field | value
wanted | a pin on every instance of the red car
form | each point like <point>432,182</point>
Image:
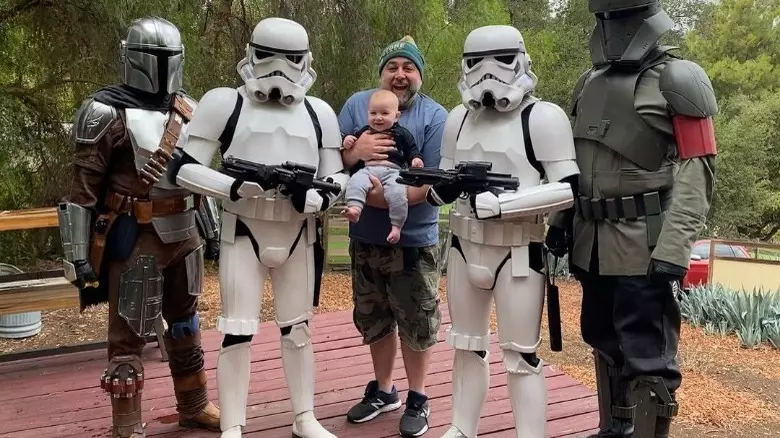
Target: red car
<point>699,268</point>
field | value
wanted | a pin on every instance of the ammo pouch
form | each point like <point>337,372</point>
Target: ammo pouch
<point>648,206</point>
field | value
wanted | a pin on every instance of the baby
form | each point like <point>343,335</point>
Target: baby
<point>383,117</point>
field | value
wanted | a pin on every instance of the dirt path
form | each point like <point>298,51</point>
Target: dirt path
<point>727,391</point>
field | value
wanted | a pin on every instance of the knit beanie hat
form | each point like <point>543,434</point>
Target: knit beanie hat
<point>404,47</point>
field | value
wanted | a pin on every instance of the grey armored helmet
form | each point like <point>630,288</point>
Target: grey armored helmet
<point>152,56</point>
<point>626,30</point>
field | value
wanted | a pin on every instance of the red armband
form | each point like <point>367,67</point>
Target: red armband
<point>695,136</point>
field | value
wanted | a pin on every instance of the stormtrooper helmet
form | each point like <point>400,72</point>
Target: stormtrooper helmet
<point>496,70</point>
<point>277,65</point>
<point>152,56</point>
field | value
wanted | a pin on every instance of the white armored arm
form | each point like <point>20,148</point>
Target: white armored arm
<point>331,166</point>
<point>553,146</point>
<point>196,149</point>
<point>449,140</point>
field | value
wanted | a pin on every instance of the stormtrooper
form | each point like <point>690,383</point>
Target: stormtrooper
<point>496,250</point>
<point>269,120</point>
<point>130,237</point>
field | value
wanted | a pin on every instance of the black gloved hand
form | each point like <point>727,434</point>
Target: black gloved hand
<point>211,251</point>
<point>84,274</point>
<point>298,199</point>
<point>661,272</point>
<point>443,193</point>
<point>558,241</point>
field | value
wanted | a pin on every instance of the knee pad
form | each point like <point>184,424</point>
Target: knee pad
<point>185,328</point>
<point>297,335</point>
<point>235,339</point>
<point>521,363</point>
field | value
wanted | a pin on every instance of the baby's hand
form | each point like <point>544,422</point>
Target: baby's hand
<point>349,141</point>
<point>417,162</point>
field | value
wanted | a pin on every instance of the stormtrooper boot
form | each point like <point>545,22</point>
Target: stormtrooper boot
<point>233,387</point>
<point>470,380</point>
<point>298,363</point>
<point>528,395</point>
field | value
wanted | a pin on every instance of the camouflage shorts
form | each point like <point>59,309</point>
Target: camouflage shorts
<point>396,287</point>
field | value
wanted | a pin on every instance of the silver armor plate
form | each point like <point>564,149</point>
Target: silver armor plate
<point>194,264</point>
<point>92,121</point>
<point>140,295</point>
<point>74,221</point>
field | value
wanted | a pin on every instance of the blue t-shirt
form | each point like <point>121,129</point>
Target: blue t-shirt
<point>425,120</point>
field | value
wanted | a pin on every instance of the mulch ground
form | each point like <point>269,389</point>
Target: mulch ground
<point>727,391</point>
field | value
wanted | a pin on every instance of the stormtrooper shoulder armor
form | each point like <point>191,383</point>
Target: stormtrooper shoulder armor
<point>92,121</point>
<point>329,122</point>
<point>687,89</point>
<point>551,133</point>
<point>452,127</point>
<point>213,112</point>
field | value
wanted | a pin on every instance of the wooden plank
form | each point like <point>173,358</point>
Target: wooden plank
<point>60,396</point>
<point>13,220</point>
<point>34,295</point>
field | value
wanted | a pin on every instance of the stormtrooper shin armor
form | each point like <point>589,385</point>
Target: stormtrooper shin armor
<point>266,121</point>
<point>495,251</point>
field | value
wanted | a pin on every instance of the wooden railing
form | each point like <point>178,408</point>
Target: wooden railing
<point>40,290</point>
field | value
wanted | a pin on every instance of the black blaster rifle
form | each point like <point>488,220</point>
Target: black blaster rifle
<point>474,177</point>
<point>287,176</point>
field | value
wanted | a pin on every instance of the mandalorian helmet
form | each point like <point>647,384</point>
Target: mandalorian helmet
<point>152,56</point>
<point>277,65</point>
<point>496,70</point>
<point>626,30</point>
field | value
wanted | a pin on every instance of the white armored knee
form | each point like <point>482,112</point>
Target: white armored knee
<point>527,392</point>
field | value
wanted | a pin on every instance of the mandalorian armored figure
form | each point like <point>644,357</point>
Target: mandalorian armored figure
<point>132,238</point>
<point>267,228</point>
<point>646,147</point>
<point>496,247</point>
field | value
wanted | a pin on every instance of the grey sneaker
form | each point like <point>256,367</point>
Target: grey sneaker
<point>414,421</point>
<point>374,403</point>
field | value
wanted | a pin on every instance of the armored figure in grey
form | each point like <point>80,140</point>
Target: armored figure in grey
<point>132,237</point>
<point>646,148</point>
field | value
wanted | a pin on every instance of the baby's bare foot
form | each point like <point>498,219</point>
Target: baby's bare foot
<point>352,213</point>
<point>395,234</point>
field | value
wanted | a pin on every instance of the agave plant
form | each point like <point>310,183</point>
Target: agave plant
<point>753,316</point>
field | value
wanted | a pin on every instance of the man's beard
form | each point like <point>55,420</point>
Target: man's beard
<point>405,100</point>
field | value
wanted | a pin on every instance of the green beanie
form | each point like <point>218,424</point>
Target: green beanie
<point>404,47</point>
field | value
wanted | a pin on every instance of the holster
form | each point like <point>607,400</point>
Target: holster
<point>319,259</point>
<point>98,240</point>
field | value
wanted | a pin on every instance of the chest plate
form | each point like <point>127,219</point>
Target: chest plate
<point>498,138</point>
<point>146,130</point>
<point>606,114</point>
<point>273,134</point>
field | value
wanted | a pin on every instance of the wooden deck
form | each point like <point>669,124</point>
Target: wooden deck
<point>58,396</point>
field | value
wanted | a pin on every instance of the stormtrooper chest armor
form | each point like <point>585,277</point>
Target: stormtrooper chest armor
<point>272,134</point>
<point>146,130</point>
<point>498,138</point>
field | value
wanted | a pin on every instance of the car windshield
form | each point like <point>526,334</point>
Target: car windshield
<point>703,250</point>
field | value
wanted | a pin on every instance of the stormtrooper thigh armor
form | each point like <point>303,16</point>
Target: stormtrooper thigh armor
<point>478,273</point>
<point>252,249</point>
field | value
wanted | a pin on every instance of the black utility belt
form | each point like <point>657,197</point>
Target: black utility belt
<point>626,207</point>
